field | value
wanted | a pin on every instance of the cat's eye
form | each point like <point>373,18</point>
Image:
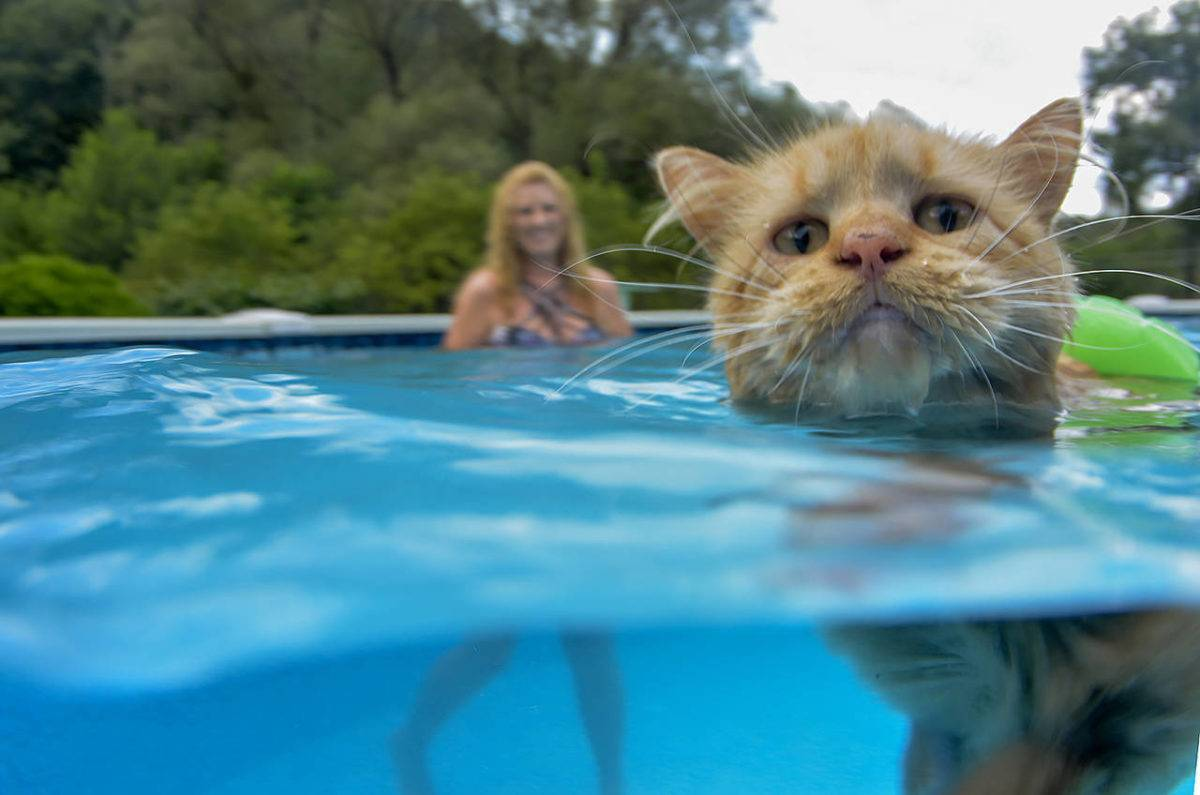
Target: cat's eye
<point>801,237</point>
<point>942,214</point>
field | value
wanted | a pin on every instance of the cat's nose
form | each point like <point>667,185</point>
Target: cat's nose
<point>871,251</point>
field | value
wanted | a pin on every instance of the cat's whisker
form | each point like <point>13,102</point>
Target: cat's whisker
<point>713,362</point>
<point>787,373</point>
<point>1121,231</point>
<point>1052,338</point>
<point>983,209</point>
<point>665,337</point>
<point>995,346</point>
<point>726,108</point>
<point>1187,215</point>
<point>1025,214</point>
<point>978,367</point>
<point>800,394</point>
<point>652,249</point>
<point>731,332</point>
<point>649,344</point>
<point>1026,367</point>
<point>1009,293</point>
<point>982,325</point>
<point>1099,310</point>
<point>1120,186</point>
<point>761,260</point>
<point>1001,291</point>
<point>758,119</point>
<point>1048,305</point>
<point>691,287</point>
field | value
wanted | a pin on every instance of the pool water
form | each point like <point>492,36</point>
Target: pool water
<point>240,574</point>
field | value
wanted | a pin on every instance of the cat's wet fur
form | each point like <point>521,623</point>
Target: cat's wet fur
<point>883,309</point>
<point>1094,705</point>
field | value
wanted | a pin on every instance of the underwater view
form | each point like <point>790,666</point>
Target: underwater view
<point>407,570</point>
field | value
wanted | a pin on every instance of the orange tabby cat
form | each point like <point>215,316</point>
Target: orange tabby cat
<point>884,267</point>
<point>871,265</point>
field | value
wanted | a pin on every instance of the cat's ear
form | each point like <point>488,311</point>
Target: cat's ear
<point>700,187</point>
<point>1040,156</point>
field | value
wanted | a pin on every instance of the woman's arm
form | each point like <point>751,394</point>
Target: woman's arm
<point>474,313</point>
<point>610,317</point>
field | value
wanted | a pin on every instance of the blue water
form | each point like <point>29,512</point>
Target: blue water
<point>225,574</point>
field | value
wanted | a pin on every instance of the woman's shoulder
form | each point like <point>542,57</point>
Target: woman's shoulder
<point>481,284</point>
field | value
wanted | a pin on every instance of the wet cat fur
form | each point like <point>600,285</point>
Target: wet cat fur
<point>912,325</point>
<point>1106,704</point>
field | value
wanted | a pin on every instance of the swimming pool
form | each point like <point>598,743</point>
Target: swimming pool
<point>234,574</point>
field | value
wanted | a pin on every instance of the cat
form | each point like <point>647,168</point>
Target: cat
<point>887,268</point>
<point>1085,705</point>
<point>880,267</point>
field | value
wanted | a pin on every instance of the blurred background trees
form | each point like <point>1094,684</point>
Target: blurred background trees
<point>203,156</point>
<point>1148,69</point>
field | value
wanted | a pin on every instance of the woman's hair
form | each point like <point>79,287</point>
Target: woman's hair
<point>504,255</point>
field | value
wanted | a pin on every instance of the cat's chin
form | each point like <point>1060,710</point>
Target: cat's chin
<point>882,365</point>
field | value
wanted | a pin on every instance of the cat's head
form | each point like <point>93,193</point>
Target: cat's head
<point>882,267</point>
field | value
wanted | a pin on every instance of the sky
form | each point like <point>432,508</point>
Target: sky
<point>975,65</point>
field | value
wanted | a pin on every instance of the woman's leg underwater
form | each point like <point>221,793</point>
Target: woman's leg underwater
<point>593,660</point>
<point>456,677</point>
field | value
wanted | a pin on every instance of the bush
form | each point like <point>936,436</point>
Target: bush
<point>414,259</point>
<point>38,284</point>
<point>117,180</point>
<point>226,249</point>
<point>21,222</point>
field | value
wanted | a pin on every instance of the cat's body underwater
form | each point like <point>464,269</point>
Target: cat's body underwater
<point>886,268</point>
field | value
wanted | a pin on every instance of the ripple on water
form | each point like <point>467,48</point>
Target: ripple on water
<point>168,515</point>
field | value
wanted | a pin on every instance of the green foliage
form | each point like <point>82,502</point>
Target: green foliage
<point>338,155</point>
<point>36,284</point>
<point>413,260</point>
<point>453,128</point>
<point>1153,141</point>
<point>225,249</point>
<point>307,191</point>
<point>117,180</point>
<point>51,87</point>
<point>22,227</point>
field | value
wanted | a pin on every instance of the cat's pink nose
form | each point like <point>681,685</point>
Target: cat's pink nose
<point>871,251</point>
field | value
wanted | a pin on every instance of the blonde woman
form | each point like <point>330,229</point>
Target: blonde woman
<point>532,288</point>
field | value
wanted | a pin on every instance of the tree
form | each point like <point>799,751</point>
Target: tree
<point>226,249</point>
<point>117,180</point>
<point>51,87</point>
<point>1152,72</point>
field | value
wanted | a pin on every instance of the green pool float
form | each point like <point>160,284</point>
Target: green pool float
<point>1114,338</point>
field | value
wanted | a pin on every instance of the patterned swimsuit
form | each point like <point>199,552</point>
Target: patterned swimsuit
<point>551,309</point>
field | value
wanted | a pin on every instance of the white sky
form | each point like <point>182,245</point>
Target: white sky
<point>976,65</point>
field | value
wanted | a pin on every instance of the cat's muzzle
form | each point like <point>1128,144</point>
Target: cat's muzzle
<point>883,363</point>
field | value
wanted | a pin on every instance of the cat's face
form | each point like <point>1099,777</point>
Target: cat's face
<point>868,268</point>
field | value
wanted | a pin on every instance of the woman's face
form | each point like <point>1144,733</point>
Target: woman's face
<point>539,224</point>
